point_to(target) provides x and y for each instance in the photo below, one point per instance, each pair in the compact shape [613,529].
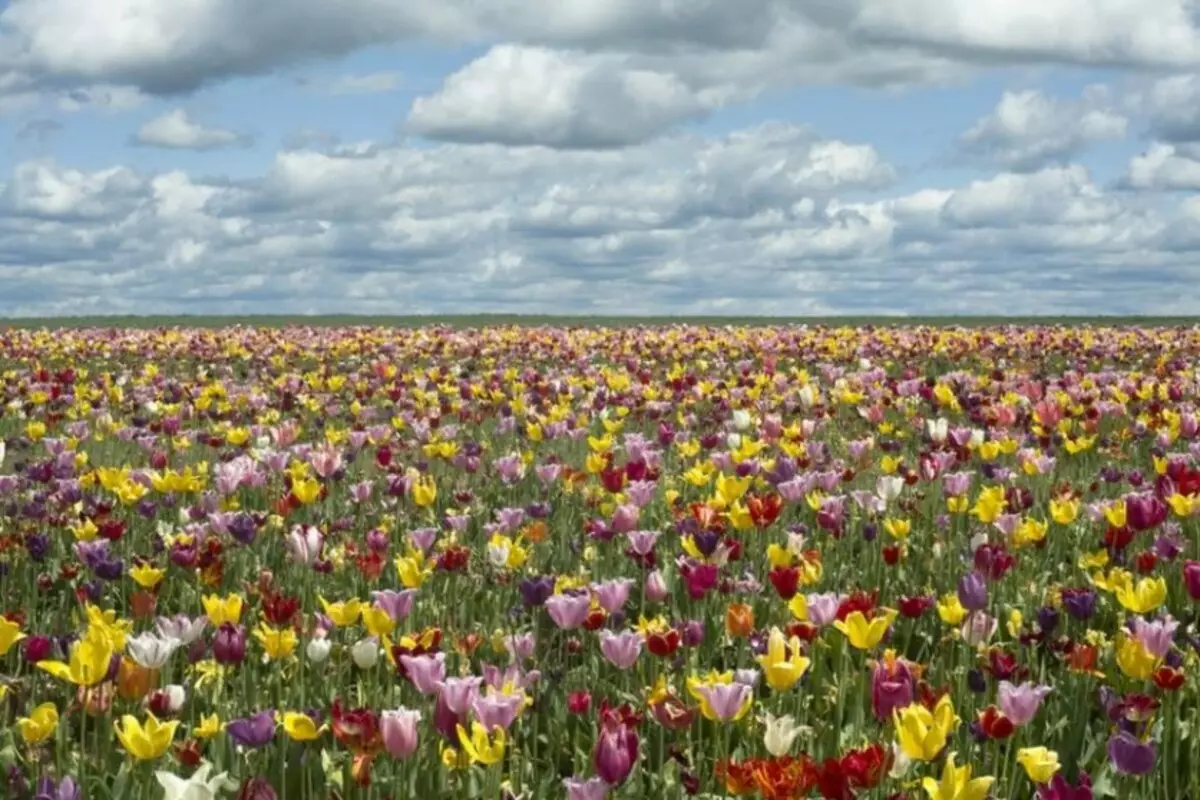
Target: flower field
[629,562]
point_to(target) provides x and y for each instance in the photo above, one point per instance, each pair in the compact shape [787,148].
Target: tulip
[481,746]
[621,649]
[922,734]
[197,787]
[1191,579]
[972,591]
[1144,596]
[1040,764]
[427,672]
[277,643]
[591,789]
[957,784]
[1129,755]
[89,663]
[399,731]
[365,652]
[864,634]
[254,731]
[65,789]
[1021,703]
[222,610]
[615,753]
[145,742]
[892,685]
[498,709]
[725,702]
[318,649]
[784,662]
[780,733]
[229,644]
[39,725]
[568,611]
[300,727]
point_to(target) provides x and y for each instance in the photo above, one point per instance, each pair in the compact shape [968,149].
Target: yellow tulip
[956,784]
[209,727]
[413,570]
[481,748]
[222,609]
[1142,598]
[89,661]
[1040,764]
[951,610]
[147,576]
[781,668]
[10,634]
[1134,660]
[39,725]
[378,622]
[922,733]
[864,634]
[277,642]
[898,528]
[1065,511]
[990,504]
[145,742]
[424,492]
[306,490]
[343,614]
[300,727]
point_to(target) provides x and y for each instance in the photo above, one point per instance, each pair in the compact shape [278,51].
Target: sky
[651,157]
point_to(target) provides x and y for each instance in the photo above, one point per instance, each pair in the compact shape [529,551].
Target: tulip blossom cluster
[768,562]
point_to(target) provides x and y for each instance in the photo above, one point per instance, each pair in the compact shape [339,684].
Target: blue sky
[592,156]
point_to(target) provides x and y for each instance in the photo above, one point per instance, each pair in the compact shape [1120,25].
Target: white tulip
[780,734]
[198,787]
[365,652]
[150,651]
[318,650]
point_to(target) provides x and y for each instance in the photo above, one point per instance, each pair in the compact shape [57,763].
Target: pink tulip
[568,611]
[621,649]
[399,730]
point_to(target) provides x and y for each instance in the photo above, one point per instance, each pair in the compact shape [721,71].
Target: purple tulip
[1130,755]
[254,731]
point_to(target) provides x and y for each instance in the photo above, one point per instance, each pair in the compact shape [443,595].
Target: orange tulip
[739,620]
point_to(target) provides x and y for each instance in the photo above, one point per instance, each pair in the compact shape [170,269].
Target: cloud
[769,219]
[535,96]
[1171,108]
[1161,33]
[170,48]
[1165,167]
[176,130]
[1028,130]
